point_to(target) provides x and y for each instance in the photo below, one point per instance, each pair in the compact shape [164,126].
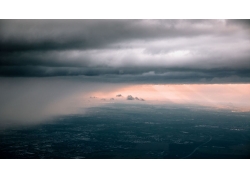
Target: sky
[60,67]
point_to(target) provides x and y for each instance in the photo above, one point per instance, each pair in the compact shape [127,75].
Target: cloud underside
[153,51]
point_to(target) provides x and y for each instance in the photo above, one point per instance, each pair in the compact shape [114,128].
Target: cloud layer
[153,51]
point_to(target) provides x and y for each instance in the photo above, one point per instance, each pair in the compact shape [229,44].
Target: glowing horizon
[231,96]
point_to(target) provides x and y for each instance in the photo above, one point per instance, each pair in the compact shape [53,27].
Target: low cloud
[130,97]
[134,98]
[139,99]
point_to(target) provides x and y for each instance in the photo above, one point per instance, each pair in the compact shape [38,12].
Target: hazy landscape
[125,89]
[134,131]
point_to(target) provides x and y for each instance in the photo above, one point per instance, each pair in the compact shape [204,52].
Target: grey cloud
[23,35]
[245,23]
[130,97]
[134,98]
[134,75]
[118,95]
[128,50]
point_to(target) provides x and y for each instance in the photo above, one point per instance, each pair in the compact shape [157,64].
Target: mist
[35,100]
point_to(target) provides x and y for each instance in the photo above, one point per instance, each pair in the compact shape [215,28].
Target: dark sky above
[147,51]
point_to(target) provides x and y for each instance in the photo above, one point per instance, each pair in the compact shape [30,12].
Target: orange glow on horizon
[232,96]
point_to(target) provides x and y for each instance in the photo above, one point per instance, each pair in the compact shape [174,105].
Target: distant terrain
[132,131]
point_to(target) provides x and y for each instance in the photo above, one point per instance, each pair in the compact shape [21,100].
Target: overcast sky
[147,51]
[53,67]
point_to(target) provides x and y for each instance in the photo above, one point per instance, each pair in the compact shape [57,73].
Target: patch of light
[222,21]
[179,53]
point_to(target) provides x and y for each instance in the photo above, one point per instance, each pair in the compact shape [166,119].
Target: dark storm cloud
[152,51]
[245,23]
[139,75]
[25,35]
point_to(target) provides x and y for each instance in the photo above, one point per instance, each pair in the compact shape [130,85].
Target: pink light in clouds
[232,96]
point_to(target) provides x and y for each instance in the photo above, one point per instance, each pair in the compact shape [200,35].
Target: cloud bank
[153,51]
